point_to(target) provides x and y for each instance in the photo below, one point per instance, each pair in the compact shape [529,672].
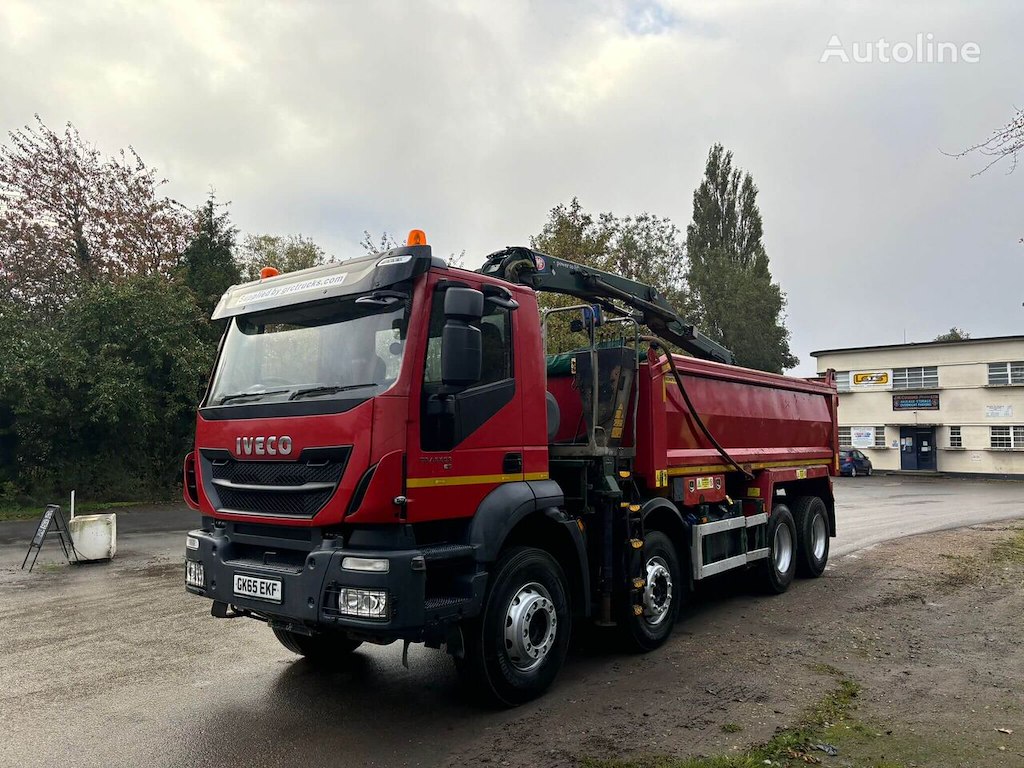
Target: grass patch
[22,512]
[1011,550]
[789,747]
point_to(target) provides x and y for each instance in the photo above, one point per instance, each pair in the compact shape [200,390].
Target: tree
[386,242]
[208,263]
[953,334]
[1005,143]
[70,216]
[736,302]
[288,254]
[645,248]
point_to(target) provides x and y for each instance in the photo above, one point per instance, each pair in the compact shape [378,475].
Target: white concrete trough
[95,536]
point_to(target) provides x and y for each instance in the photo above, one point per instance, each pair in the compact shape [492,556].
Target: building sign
[915,402]
[998,411]
[862,437]
[871,379]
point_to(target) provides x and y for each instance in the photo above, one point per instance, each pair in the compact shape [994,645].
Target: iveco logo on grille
[270,445]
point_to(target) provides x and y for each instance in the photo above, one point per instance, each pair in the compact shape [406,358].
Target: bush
[103,400]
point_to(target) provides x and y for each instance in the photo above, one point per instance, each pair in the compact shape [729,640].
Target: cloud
[472,119]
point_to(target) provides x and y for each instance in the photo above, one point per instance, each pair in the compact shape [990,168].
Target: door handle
[513,464]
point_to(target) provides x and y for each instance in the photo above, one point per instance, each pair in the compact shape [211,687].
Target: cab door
[466,442]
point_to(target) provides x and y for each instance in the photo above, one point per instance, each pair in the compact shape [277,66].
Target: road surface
[115,664]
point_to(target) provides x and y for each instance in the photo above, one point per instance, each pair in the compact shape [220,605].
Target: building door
[926,448]
[917,448]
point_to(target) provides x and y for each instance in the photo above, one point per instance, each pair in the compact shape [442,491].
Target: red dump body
[763,420]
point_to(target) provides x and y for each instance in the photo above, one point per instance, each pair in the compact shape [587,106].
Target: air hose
[659,344]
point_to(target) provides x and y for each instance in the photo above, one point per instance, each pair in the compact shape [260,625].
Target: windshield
[306,352]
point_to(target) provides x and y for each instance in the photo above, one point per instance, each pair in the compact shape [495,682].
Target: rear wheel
[663,594]
[777,571]
[812,533]
[853,471]
[514,651]
[320,648]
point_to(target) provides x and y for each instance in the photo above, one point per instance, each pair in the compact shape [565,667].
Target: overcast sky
[471,120]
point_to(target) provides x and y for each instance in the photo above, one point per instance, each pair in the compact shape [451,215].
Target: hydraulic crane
[543,272]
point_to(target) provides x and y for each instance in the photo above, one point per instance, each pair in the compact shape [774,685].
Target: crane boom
[542,272]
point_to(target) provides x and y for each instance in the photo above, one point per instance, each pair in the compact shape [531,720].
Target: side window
[432,362]
[496,340]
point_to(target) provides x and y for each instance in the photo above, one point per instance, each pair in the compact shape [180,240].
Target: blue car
[852,462]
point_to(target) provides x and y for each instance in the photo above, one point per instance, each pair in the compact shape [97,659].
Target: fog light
[195,576]
[372,564]
[191,542]
[364,603]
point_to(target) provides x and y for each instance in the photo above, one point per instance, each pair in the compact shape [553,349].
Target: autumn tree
[737,303]
[70,216]
[645,248]
[288,254]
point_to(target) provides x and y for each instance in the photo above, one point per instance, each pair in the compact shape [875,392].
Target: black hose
[657,343]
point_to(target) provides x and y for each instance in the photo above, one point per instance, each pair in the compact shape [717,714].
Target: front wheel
[663,594]
[324,647]
[853,471]
[514,651]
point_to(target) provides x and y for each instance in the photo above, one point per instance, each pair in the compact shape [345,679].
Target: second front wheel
[649,625]
[778,569]
[515,650]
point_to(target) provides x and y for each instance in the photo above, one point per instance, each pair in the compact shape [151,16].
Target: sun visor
[346,278]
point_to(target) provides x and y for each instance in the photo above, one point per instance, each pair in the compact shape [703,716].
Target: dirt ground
[928,628]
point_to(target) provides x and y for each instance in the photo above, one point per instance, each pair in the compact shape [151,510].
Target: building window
[926,377]
[843,381]
[1006,437]
[846,437]
[1003,374]
[955,439]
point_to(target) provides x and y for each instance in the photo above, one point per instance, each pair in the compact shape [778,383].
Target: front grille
[274,488]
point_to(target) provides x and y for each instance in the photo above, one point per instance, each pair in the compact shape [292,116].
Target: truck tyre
[663,595]
[515,649]
[778,569]
[319,648]
[812,536]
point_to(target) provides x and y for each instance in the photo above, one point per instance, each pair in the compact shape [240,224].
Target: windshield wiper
[240,395]
[326,390]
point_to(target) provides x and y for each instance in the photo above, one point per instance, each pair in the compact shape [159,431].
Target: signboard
[862,437]
[998,411]
[52,518]
[915,402]
[876,379]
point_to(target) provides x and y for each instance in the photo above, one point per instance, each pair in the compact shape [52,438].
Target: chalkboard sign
[52,518]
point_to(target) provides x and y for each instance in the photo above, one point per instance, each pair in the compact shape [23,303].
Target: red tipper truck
[386,453]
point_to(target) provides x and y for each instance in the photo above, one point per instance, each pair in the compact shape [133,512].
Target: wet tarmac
[114,664]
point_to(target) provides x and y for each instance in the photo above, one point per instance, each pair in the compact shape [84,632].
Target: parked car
[852,462]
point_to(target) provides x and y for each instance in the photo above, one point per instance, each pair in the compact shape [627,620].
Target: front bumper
[310,587]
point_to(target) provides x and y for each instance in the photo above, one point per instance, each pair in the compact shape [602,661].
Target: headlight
[191,542]
[372,564]
[195,575]
[364,603]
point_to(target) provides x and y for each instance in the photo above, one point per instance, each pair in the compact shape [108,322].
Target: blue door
[908,448]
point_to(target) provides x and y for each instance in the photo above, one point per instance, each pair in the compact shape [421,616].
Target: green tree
[953,334]
[736,301]
[208,264]
[645,248]
[104,400]
[288,254]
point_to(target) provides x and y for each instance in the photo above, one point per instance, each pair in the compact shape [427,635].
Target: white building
[947,406]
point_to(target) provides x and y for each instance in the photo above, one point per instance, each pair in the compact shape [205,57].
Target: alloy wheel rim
[531,626]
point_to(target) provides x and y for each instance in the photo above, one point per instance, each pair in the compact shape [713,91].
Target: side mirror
[461,343]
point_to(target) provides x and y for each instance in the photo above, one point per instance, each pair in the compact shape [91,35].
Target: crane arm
[542,272]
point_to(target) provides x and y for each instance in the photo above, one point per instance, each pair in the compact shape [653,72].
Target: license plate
[260,589]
